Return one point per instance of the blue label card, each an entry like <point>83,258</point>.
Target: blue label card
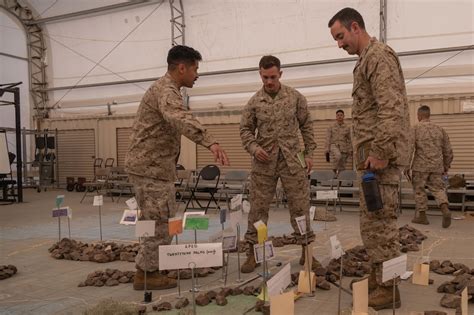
<point>61,212</point>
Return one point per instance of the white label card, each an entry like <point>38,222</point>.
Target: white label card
<point>235,218</point>
<point>180,256</point>
<point>336,247</point>
<point>280,281</point>
<point>246,206</point>
<point>394,268</point>
<point>98,201</point>
<point>236,202</point>
<point>258,251</point>
<point>132,203</point>
<point>312,212</point>
<point>129,217</point>
<point>301,222</point>
<point>145,228</point>
<point>326,194</point>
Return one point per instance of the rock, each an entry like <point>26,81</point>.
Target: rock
<point>450,301</point>
<point>182,302</point>
<point>99,283</point>
<point>123,279</point>
<point>81,284</point>
<point>249,290</point>
<point>434,264</point>
<point>446,263</point>
<point>442,286</point>
<point>261,307</point>
<point>211,294</point>
<point>226,292</point>
<point>323,284</point>
<point>111,283</point>
<point>430,281</point>
<point>100,258</point>
<point>164,306</point>
<point>236,291</point>
<point>320,271</point>
<point>202,300</point>
<point>278,242</point>
<point>448,270</point>
<point>201,272</point>
<point>221,300</point>
<point>185,274</point>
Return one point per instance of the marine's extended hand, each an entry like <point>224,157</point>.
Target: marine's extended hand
<point>219,154</point>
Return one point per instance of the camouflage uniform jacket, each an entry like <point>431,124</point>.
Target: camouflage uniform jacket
<point>274,125</point>
<point>380,116</point>
<point>156,134</point>
<point>431,148</point>
<point>340,135</point>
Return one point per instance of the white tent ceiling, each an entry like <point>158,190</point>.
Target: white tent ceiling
<point>131,43</point>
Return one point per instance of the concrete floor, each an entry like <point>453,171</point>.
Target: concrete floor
<point>44,285</point>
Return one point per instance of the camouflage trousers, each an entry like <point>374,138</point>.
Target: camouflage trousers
<point>262,191</point>
<point>338,159</point>
<point>436,186</point>
<point>379,229</point>
<point>156,199</point>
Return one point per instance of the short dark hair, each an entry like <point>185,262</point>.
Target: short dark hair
<point>182,54</point>
<point>339,111</point>
<point>266,62</point>
<point>346,16</point>
<point>424,110</point>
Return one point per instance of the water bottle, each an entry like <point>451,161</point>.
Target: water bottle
<point>371,190</point>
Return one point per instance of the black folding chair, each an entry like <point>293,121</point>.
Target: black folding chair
<point>206,182</point>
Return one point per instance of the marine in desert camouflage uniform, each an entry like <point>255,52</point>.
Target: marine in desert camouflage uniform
<point>339,143</point>
<point>154,150</point>
<point>432,156</point>
<point>269,128</point>
<point>380,122</point>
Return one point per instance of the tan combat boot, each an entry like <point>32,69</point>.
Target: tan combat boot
<point>421,218</point>
<point>446,215</point>
<point>154,281</point>
<point>372,283</point>
<point>250,264</point>
<point>382,298</point>
<point>315,264</point>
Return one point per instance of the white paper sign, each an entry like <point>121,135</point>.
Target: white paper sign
<point>98,201</point>
<point>229,241</point>
<point>130,217</point>
<point>69,213</point>
<point>180,256</point>
<point>246,206</point>
<point>326,194</point>
<point>258,251</point>
<point>132,203</point>
<point>301,222</point>
<point>336,247</point>
<point>394,268</point>
<point>312,212</point>
<point>235,218</point>
<point>280,281</point>
<point>145,228</point>
<point>236,202</point>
